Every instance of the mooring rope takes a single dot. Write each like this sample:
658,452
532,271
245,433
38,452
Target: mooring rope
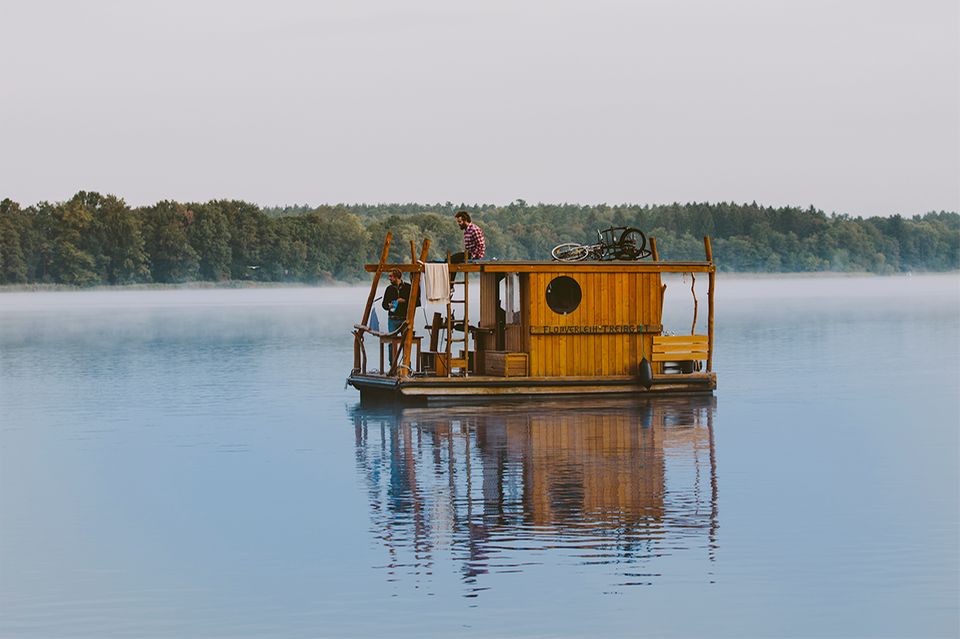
693,283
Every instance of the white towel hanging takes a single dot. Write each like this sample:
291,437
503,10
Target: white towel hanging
436,282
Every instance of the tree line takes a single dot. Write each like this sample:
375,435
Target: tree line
94,239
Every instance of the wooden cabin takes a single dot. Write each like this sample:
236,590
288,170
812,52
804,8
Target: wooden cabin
538,328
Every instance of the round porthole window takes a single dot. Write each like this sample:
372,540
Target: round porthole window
563,295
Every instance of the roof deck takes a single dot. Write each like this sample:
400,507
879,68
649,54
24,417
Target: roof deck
550,266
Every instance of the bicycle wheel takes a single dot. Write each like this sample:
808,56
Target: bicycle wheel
570,252
632,245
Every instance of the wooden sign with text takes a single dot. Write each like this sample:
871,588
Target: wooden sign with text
599,329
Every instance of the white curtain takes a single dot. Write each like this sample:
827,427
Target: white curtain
509,288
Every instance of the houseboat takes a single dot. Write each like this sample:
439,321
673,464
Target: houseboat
587,327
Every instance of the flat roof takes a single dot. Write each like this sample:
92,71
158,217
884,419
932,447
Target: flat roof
539,266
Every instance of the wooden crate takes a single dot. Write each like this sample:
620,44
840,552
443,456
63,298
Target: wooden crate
505,364
437,362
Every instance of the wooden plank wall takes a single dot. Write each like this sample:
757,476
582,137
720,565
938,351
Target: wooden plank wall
608,299
488,300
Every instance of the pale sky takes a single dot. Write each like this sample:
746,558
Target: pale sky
851,106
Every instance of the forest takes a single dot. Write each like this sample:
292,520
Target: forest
93,239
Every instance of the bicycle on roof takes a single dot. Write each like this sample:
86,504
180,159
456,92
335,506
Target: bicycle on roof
615,243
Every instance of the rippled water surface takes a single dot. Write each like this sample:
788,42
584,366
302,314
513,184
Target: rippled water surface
189,464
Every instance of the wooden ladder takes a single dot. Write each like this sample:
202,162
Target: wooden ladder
461,363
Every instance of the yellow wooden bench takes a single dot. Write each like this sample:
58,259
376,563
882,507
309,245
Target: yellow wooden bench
680,348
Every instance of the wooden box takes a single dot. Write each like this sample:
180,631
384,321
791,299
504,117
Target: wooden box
438,363
505,364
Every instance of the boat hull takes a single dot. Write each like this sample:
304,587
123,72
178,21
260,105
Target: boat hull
421,390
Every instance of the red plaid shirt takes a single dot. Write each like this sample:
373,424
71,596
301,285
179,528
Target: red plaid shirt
474,244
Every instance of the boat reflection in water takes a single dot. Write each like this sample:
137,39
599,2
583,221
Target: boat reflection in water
501,488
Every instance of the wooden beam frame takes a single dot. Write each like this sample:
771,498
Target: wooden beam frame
708,249
415,267
407,267
379,267
412,303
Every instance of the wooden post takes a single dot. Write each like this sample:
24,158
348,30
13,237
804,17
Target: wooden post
376,278
466,321
412,306
655,255
466,315
713,277
384,254
448,353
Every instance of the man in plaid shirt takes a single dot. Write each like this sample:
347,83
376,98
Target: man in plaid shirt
474,244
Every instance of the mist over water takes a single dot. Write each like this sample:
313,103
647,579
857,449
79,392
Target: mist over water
189,463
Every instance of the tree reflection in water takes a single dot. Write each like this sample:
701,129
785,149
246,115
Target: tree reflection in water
498,488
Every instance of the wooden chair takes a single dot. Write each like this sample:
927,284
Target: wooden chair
672,350
396,339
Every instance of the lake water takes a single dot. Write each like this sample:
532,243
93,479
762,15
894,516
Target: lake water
190,464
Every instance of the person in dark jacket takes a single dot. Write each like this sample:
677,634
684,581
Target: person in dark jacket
395,300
